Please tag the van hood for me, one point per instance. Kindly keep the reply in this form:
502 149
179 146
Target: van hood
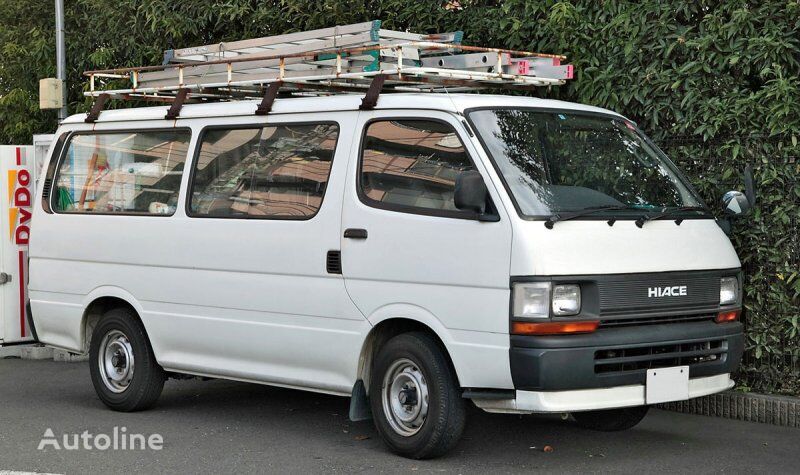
588 247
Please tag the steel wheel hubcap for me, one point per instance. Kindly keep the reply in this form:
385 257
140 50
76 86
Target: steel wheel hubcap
405 397
116 361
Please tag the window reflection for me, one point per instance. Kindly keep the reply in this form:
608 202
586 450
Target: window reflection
133 172
270 172
412 163
562 161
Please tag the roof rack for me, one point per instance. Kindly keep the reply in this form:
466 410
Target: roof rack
330 60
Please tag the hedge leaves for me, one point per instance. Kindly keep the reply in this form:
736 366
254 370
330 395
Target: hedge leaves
715 83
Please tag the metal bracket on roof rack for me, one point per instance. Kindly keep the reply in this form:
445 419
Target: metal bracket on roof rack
370 100
169 55
97 108
175 109
269 98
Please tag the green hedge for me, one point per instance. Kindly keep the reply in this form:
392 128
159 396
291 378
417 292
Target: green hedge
716 83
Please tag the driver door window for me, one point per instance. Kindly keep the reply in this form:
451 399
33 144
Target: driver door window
411 165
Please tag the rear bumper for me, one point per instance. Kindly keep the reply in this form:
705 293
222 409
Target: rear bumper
614 358
592 399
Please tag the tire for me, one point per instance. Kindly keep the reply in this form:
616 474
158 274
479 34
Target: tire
611 420
416 362
118 340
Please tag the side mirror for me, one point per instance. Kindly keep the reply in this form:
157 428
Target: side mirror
471 194
736 203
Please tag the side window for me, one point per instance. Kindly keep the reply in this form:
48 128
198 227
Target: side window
278 172
122 172
412 165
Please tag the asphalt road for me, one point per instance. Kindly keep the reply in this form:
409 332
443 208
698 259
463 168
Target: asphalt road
222 426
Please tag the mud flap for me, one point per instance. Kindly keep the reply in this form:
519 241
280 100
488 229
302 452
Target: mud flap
359 403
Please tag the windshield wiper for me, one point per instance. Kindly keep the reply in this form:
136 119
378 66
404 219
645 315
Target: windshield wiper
552 220
669 214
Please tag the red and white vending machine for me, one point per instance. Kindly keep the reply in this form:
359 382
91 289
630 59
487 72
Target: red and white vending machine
17 174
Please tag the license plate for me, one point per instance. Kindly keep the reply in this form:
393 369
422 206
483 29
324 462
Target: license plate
667 384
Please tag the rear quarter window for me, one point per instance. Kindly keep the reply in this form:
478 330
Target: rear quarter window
121 173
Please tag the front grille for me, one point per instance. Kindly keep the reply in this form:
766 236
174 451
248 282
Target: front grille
637 293
637 321
644 357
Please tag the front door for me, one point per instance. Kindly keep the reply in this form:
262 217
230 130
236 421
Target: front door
407 251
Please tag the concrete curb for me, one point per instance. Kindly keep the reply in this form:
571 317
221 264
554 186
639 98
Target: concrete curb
39 352
751 407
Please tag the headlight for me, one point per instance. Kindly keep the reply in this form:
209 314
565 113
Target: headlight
566 300
728 290
532 300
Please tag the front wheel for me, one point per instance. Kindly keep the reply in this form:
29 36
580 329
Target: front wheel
124 370
415 399
611 420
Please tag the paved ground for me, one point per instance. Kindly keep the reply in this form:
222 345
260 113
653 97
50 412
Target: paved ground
220 426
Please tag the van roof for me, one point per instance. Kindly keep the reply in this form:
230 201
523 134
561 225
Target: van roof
430 101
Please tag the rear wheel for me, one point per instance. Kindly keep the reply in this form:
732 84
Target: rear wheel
611 420
124 371
415 399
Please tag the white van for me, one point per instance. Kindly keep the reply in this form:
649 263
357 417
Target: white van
534 256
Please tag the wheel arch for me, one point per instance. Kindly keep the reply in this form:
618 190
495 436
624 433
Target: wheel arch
391 324
98 302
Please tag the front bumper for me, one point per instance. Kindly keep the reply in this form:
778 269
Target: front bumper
526 402
611 358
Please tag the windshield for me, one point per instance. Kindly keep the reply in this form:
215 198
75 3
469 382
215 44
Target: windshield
566 161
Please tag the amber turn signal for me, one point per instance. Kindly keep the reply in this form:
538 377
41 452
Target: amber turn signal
728 316
553 328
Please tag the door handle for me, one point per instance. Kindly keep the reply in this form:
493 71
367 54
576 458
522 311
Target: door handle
4 278
354 233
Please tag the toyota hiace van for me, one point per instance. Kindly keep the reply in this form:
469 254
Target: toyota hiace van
527 255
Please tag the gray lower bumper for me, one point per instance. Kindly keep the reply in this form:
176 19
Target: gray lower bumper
620 356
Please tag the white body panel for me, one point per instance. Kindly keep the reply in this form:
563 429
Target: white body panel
256 288
593 247
251 299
